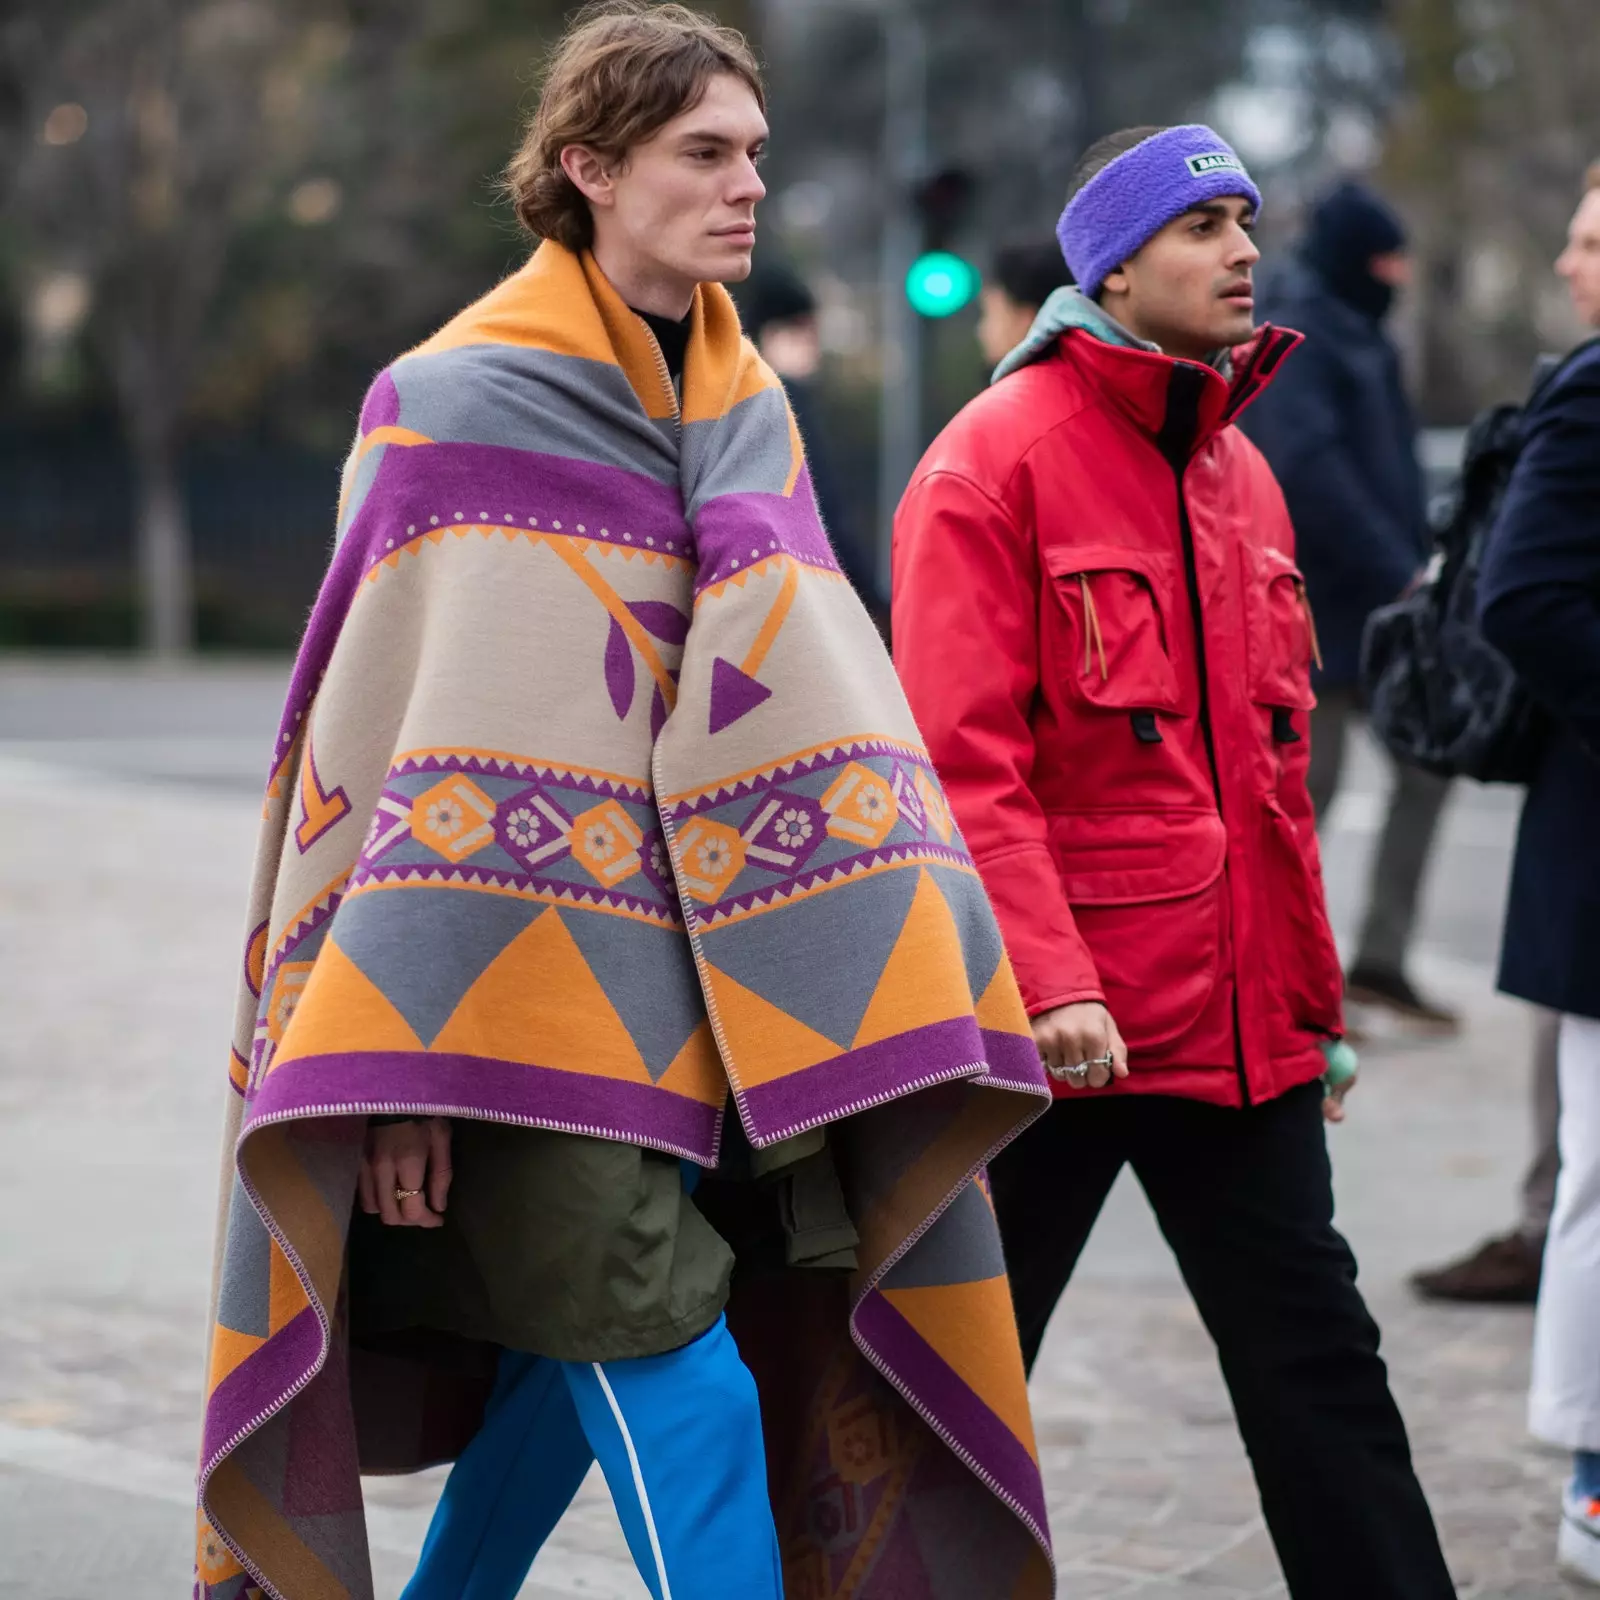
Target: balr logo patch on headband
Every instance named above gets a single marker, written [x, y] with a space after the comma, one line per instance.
[1214, 161]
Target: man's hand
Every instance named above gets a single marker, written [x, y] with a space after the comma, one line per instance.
[1071, 1035]
[1333, 1100]
[407, 1155]
[1340, 1078]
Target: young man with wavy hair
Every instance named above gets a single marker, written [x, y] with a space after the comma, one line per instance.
[624, 1020]
[1101, 627]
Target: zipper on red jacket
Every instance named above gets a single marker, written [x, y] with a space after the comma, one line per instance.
[1179, 429]
[1271, 346]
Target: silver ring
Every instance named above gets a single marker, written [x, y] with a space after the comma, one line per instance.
[1109, 1059]
[1077, 1077]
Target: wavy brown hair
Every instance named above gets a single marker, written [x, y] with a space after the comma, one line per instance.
[622, 71]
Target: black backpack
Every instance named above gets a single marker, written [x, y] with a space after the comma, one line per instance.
[1441, 697]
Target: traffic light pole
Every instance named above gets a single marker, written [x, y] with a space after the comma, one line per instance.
[905, 157]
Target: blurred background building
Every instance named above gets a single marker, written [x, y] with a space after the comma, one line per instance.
[219, 217]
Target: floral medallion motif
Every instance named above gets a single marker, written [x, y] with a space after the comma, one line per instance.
[658, 863]
[783, 830]
[861, 1442]
[214, 1561]
[861, 806]
[935, 807]
[454, 817]
[605, 841]
[908, 800]
[712, 855]
[391, 822]
[534, 828]
[287, 987]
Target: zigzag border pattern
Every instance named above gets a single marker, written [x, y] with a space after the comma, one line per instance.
[716, 585]
[649, 549]
[490, 764]
[553, 891]
[835, 876]
[304, 922]
[681, 806]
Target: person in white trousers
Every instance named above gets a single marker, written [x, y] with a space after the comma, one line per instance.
[1564, 1401]
[1539, 604]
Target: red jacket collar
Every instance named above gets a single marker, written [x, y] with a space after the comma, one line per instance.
[1139, 382]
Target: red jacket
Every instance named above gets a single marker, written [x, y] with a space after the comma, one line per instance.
[1105, 640]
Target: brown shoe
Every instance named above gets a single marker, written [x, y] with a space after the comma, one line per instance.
[1502, 1271]
[1393, 992]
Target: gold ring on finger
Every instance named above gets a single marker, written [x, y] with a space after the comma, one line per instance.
[406, 1194]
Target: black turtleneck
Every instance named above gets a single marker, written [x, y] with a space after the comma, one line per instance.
[673, 337]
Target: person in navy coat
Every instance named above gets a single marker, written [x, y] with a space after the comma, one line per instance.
[1539, 603]
[1340, 434]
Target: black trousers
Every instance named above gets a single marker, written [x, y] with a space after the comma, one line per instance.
[1245, 1200]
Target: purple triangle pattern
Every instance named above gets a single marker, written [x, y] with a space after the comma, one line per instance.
[734, 694]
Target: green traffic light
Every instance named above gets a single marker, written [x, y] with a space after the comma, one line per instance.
[940, 284]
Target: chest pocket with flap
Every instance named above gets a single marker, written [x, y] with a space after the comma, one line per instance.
[1282, 642]
[1108, 626]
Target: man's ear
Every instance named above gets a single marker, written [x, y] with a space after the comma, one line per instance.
[590, 175]
[1115, 282]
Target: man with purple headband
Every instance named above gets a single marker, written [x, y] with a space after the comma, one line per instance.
[1104, 636]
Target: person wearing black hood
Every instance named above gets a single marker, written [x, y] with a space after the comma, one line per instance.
[779, 312]
[1340, 434]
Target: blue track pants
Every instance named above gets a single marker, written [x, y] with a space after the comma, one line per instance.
[678, 1437]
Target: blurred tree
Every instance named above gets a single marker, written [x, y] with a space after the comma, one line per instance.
[248, 205]
[159, 130]
[1435, 139]
[1500, 118]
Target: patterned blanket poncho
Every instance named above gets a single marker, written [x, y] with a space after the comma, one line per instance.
[596, 797]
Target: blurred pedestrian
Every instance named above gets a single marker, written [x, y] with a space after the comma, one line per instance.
[1504, 1269]
[485, 1191]
[1024, 275]
[1102, 632]
[1340, 434]
[1539, 604]
[779, 311]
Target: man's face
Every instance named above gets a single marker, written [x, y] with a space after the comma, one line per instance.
[1394, 268]
[1579, 263]
[1003, 324]
[682, 209]
[792, 348]
[1189, 288]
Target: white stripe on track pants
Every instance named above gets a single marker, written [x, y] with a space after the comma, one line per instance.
[679, 1439]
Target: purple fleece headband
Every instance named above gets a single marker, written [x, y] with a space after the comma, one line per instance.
[1139, 193]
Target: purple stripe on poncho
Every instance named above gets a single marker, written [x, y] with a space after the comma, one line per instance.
[428, 486]
[918, 1369]
[735, 531]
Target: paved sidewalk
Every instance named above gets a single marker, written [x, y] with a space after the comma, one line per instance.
[120, 920]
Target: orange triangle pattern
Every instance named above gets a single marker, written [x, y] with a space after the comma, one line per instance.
[286, 1295]
[696, 1071]
[779, 1044]
[229, 1350]
[925, 980]
[538, 1003]
[342, 1009]
[971, 1327]
[1001, 1009]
